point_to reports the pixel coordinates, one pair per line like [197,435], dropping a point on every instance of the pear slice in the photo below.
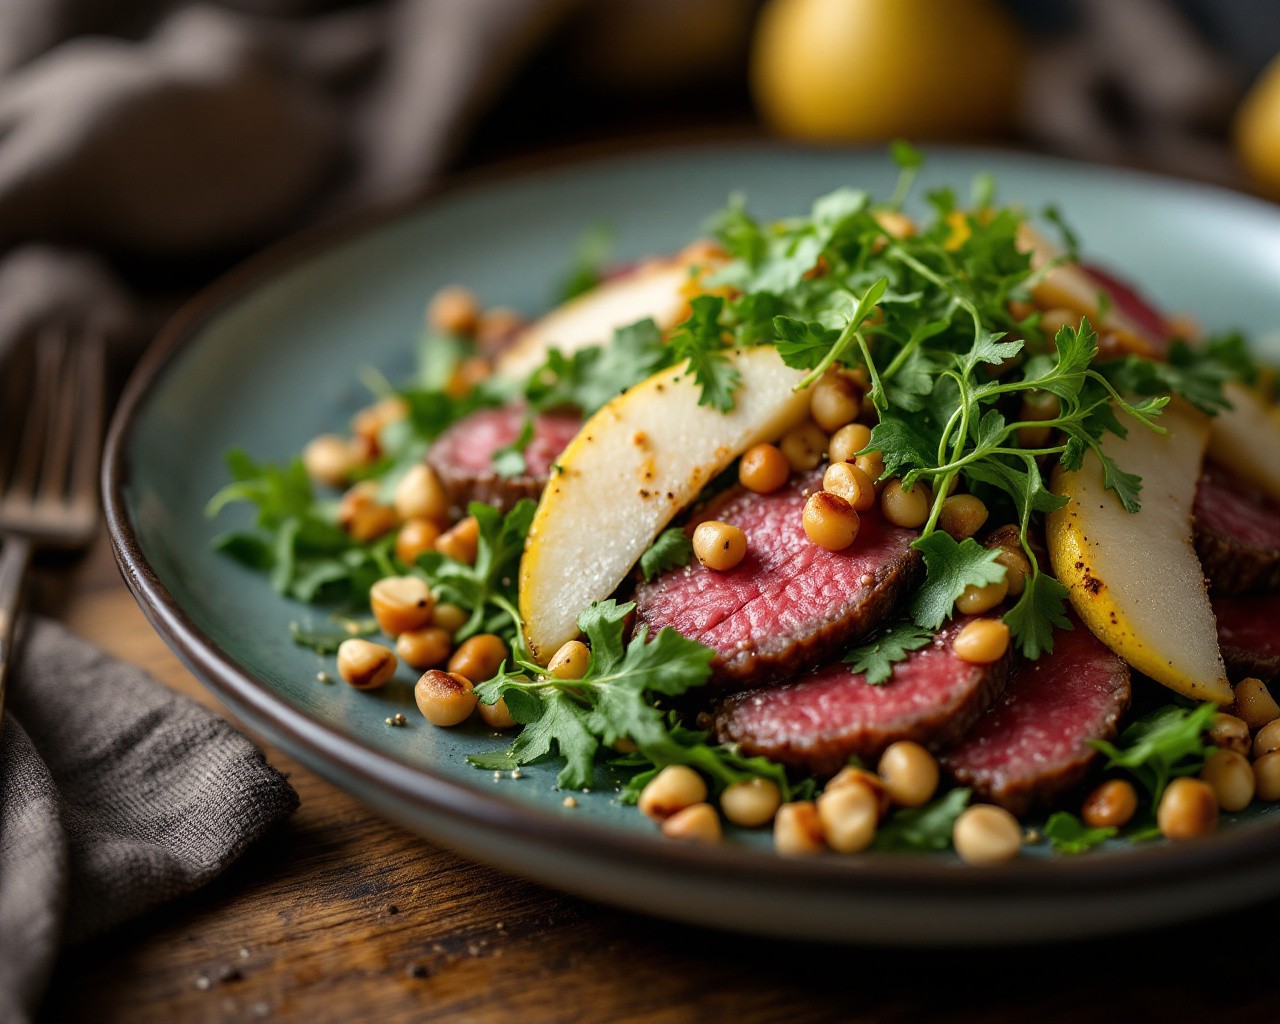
[1134,578]
[659,290]
[1066,286]
[1246,439]
[632,467]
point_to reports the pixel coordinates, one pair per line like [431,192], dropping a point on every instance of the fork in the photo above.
[48,493]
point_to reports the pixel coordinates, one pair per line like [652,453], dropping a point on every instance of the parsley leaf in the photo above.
[928,827]
[700,340]
[1068,834]
[988,348]
[591,376]
[671,550]
[803,344]
[508,461]
[1197,373]
[1039,611]
[1161,746]
[875,658]
[610,702]
[952,565]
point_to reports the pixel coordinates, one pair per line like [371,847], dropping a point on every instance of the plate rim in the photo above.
[1253,846]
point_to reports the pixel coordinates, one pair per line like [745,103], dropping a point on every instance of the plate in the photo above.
[269,357]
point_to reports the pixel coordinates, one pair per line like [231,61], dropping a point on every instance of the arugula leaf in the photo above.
[488,588]
[296,538]
[875,658]
[1163,745]
[952,565]
[700,340]
[508,461]
[438,358]
[928,827]
[721,764]
[671,550]
[1068,834]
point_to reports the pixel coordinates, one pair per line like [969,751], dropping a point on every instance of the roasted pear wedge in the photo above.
[1134,578]
[636,463]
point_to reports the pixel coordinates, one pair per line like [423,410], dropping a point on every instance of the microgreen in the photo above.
[327,641]
[1195,373]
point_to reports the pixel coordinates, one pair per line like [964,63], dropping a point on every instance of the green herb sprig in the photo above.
[615,700]
[1166,744]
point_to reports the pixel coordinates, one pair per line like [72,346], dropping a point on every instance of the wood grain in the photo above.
[339,916]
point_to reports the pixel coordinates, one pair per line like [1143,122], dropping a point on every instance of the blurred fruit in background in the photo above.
[1257,131]
[867,70]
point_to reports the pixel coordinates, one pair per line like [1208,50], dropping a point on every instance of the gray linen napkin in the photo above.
[165,139]
[144,145]
[116,794]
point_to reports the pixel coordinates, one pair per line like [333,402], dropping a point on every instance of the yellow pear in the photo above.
[636,463]
[1257,131]
[1246,439]
[1133,577]
[867,70]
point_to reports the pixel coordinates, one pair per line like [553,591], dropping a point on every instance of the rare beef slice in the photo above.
[818,722]
[790,604]
[1237,534]
[462,456]
[1249,635]
[1032,745]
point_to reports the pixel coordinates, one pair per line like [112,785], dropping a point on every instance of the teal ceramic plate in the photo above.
[270,357]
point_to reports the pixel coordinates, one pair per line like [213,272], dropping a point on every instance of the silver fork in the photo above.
[48,493]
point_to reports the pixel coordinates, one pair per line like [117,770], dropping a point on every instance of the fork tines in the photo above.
[48,468]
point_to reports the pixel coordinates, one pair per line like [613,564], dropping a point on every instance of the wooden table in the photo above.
[339,916]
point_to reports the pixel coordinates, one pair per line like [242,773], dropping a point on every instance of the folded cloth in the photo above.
[116,794]
[168,139]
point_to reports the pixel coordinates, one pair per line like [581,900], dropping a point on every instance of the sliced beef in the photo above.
[1031,746]
[1249,634]
[790,603]
[1237,534]
[463,455]
[819,721]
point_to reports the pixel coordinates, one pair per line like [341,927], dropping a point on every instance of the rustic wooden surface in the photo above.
[339,916]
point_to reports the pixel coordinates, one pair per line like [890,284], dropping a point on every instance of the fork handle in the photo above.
[15,556]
